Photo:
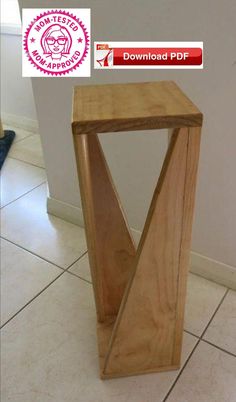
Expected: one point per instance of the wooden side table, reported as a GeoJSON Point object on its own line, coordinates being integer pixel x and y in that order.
{"type": "Point", "coordinates": [139, 294]}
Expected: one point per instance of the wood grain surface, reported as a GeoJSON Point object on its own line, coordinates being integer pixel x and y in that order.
{"type": "Point", "coordinates": [133, 106]}
{"type": "Point", "coordinates": [194, 138]}
{"type": "Point", "coordinates": [110, 245]}
{"type": "Point", "coordinates": [143, 335]}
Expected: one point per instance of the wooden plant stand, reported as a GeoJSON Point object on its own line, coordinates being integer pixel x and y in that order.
{"type": "Point", "coordinates": [139, 294]}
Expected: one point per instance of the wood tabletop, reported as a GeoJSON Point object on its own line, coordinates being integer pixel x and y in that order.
{"type": "Point", "coordinates": [132, 106]}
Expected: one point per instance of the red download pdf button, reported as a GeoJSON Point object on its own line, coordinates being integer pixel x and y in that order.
{"type": "Point", "coordinates": [148, 55]}
{"type": "Point", "coordinates": [157, 56]}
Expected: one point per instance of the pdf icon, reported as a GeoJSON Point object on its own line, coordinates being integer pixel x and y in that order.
{"type": "Point", "coordinates": [103, 55]}
{"type": "Point", "coordinates": [56, 43]}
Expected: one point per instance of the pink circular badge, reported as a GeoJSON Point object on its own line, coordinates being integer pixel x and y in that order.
{"type": "Point", "coordinates": [56, 42]}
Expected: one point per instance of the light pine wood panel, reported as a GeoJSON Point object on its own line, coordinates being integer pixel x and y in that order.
{"type": "Point", "coordinates": [104, 334]}
{"type": "Point", "coordinates": [110, 245]}
{"type": "Point", "coordinates": [194, 138]}
{"type": "Point", "coordinates": [134, 106]}
{"type": "Point", "coordinates": [143, 335]}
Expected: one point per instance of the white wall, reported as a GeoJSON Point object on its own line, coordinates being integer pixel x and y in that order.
{"type": "Point", "coordinates": [16, 92]}
{"type": "Point", "coordinates": [135, 160]}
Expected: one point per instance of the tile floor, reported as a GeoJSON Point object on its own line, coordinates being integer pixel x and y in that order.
{"type": "Point", "coordinates": [49, 351]}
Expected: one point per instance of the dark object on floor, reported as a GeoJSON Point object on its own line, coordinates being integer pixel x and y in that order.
{"type": "Point", "coordinates": [5, 144]}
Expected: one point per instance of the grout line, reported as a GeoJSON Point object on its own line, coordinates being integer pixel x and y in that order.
{"type": "Point", "coordinates": [216, 310]}
{"type": "Point", "coordinates": [13, 128]}
{"type": "Point", "coordinates": [218, 347]}
{"type": "Point", "coordinates": [16, 141]}
{"type": "Point", "coordinates": [27, 192]}
{"type": "Point", "coordinates": [199, 340]}
{"type": "Point", "coordinates": [29, 163]}
{"type": "Point", "coordinates": [34, 254]}
{"type": "Point", "coordinates": [191, 333]}
{"type": "Point", "coordinates": [48, 261]}
{"type": "Point", "coordinates": [79, 277]}
{"type": "Point", "coordinates": [181, 370]}
{"type": "Point", "coordinates": [30, 301]}
{"type": "Point", "coordinates": [47, 286]}
{"type": "Point", "coordinates": [210, 343]}
{"type": "Point", "coordinates": [72, 273]}
{"type": "Point", "coordinates": [24, 162]}
{"type": "Point", "coordinates": [82, 255]}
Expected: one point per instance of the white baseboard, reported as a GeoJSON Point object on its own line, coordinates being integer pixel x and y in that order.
{"type": "Point", "coordinates": [19, 121]}
{"type": "Point", "coordinates": [65, 211]}
{"type": "Point", "coordinates": [213, 270]}
{"type": "Point", "coordinates": [11, 29]}
{"type": "Point", "coordinates": [201, 265]}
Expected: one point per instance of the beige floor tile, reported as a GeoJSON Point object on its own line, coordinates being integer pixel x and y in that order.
{"type": "Point", "coordinates": [222, 330]}
{"type": "Point", "coordinates": [208, 377]}
{"type": "Point", "coordinates": [81, 268]}
{"type": "Point", "coordinates": [20, 133]}
{"type": "Point", "coordinates": [17, 178]}
{"type": "Point", "coordinates": [49, 353]}
{"type": "Point", "coordinates": [28, 150]}
{"type": "Point", "coordinates": [22, 276]}
{"type": "Point", "coordinates": [203, 297]}
{"type": "Point", "coordinates": [26, 223]}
